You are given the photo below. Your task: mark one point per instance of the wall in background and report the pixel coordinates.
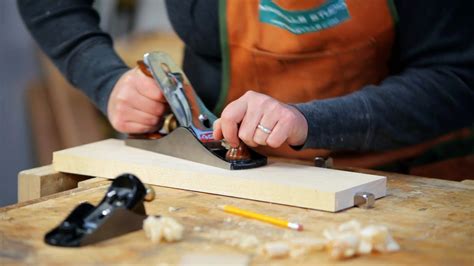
(148, 16)
(18, 66)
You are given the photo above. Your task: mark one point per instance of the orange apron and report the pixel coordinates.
(302, 50)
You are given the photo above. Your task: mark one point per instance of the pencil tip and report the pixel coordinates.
(295, 226)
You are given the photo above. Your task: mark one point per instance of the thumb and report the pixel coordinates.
(217, 129)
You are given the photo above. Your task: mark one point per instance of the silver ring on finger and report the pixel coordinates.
(264, 129)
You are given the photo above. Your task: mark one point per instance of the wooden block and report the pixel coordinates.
(43, 181)
(290, 184)
(468, 182)
(93, 182)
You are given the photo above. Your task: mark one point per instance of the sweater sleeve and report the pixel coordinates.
(429, 92)
(68, 32)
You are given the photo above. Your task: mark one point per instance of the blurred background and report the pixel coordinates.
(39, 109)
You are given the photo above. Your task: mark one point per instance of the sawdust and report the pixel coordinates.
(160, 229)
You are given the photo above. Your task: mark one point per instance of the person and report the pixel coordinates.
(368, 83)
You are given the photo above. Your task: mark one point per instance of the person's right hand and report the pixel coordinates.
(136, 103)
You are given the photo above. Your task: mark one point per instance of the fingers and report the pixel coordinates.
(249, 124)
(149, 88)
(130, 120)
(269, 120)
(217, 130)
(133, 127)
(132, 98)
(279, 127)
(136, 103)
(230, 119)
(278, 136)
(149, 106)
(291, 127)
(241, 118)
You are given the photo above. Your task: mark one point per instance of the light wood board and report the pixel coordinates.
(289, 184)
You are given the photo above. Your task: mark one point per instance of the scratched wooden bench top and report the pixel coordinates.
(431, 219)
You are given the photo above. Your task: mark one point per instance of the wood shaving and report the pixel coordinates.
(344, 241)
(172, 209)
(294, 247)
(304, 245)
(351, 239)
(235, 238)
(244, 241)
(162, 229)
(277, 249)
(343, 246)
(377, 238)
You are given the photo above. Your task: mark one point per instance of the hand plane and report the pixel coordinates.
(191, 137)
(121, 211)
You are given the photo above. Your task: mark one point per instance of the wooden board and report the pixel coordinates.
(43, 181)
(431, 219)
(296, 185)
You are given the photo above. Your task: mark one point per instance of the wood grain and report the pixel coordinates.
(431, 219)
(289, 184)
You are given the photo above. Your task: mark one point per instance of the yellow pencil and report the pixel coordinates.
(261, 217)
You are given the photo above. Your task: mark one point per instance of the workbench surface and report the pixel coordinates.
(431, 219)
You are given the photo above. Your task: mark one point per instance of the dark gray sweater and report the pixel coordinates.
(430, 90)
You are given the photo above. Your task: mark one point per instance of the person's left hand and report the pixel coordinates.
(258, 119)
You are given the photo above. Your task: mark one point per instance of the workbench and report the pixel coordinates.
(431, 219)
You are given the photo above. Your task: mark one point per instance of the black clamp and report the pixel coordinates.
(121, 211)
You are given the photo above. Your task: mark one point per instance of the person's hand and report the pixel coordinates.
(258, 119)
(136, 103)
